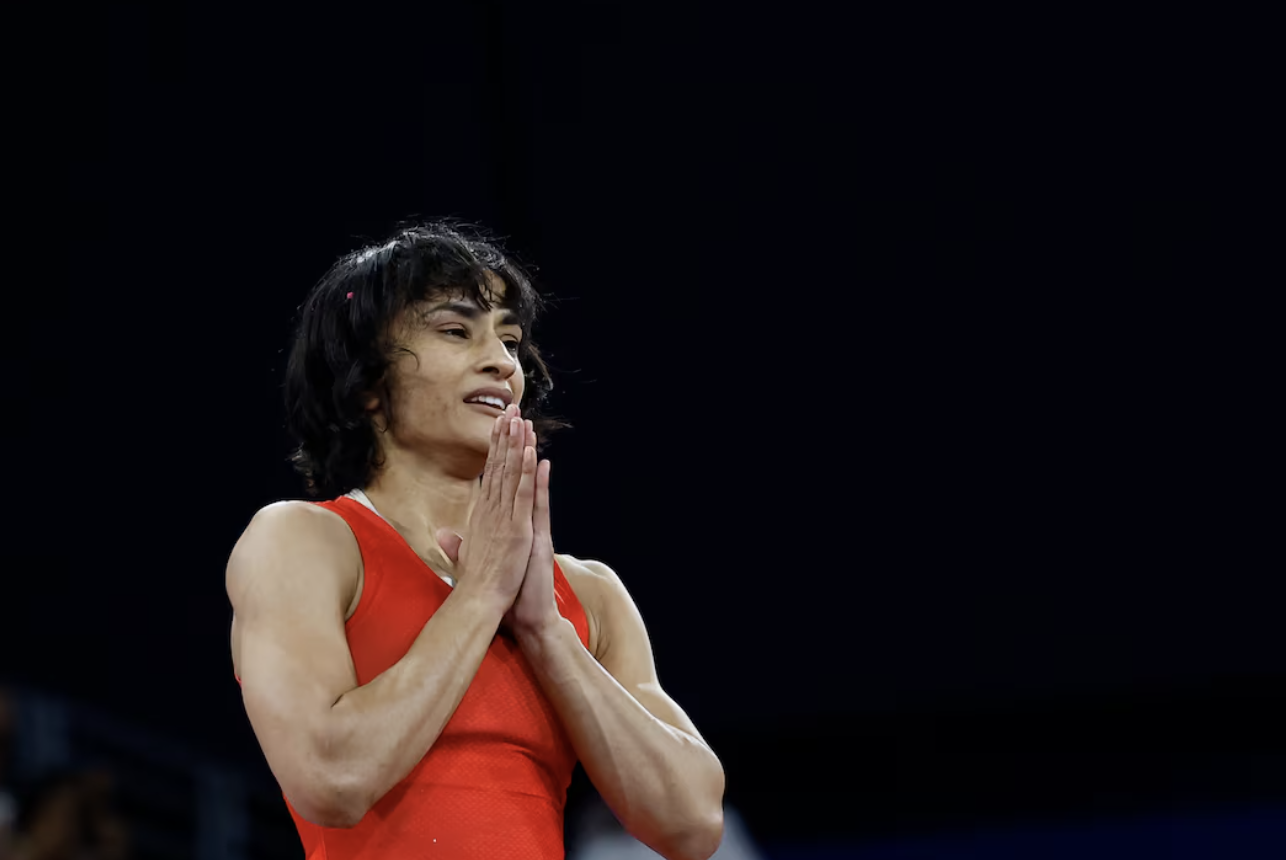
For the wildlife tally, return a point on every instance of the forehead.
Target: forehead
(480, 302)
(493, 290)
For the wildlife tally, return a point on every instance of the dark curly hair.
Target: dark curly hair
(343, 342)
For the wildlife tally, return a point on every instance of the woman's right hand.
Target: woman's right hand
(493, 556)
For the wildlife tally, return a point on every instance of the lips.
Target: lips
(493, 398)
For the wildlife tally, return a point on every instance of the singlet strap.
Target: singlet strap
(361, 498)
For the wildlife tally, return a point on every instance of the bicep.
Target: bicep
(287, 580)
(626, 651)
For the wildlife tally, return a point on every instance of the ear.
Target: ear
(373, 403)
(450, 543)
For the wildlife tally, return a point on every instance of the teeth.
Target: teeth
(490, 401)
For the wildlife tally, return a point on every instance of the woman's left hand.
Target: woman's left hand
(535, 610)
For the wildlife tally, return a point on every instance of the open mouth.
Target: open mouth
(492, 400)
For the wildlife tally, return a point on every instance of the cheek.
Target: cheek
(520, 384)
(421, 386)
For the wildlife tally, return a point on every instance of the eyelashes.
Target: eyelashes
(512, 345)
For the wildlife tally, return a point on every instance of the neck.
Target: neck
(418, 497)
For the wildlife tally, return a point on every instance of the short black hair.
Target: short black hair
(343, 345)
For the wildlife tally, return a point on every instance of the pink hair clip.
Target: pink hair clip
(349, 296)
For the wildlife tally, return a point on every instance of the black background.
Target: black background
(889, 406)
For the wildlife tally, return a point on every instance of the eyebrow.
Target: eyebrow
(472, 312)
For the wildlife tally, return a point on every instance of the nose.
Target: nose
(497, 360)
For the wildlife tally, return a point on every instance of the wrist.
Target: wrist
(482, 599)
(541, 634)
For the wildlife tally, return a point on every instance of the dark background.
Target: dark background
(889, 406)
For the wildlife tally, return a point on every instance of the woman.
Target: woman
(421, 670)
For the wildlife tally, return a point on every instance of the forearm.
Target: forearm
(378, 732)
(665, 785)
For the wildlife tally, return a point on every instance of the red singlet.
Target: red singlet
(494, 783)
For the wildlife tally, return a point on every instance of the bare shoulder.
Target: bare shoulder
(591, 581)
(296, 518)
(294, 574)
(283, 534)
(586, 570)
(623, 646)
(601, 593)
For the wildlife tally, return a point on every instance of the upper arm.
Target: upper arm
(625, 650)
(290, 578)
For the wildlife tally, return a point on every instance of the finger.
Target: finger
(531, 433)
(450, 543)
(513, 463)
(540, 509)
(525, 492)
(489, 471)
(502, 451)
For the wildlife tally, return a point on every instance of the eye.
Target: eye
(459, 332)
(512, 346)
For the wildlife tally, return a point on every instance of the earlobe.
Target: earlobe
(374, 409)
(379, 420)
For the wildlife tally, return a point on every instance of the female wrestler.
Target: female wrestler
(420, 669)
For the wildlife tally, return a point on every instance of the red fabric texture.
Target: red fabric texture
(494, 783)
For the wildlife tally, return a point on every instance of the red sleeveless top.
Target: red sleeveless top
(494, 783)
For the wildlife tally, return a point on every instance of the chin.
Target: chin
(480, 443)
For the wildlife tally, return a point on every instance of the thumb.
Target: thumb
(450, 543)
